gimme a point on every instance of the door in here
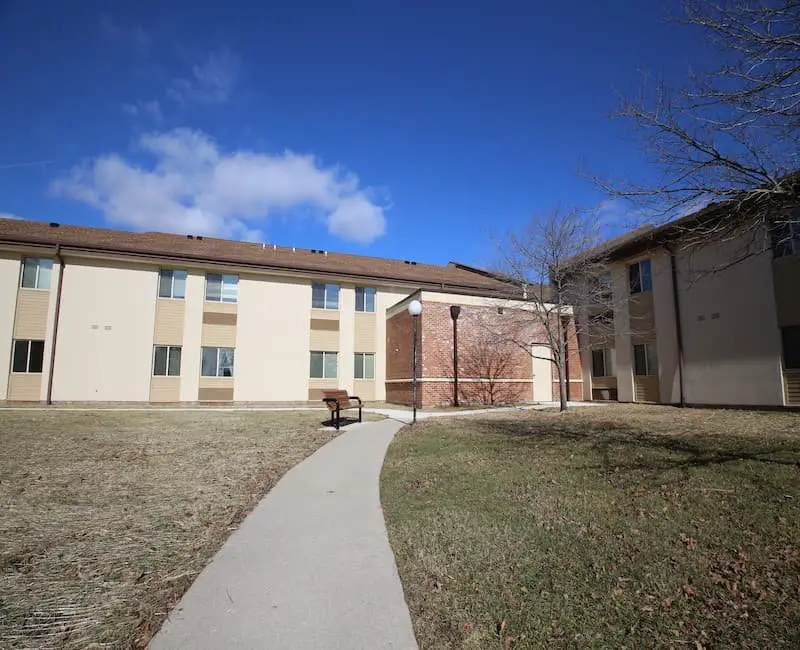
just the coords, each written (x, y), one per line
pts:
(542, 373)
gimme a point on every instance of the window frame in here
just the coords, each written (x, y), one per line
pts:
(795, 356)
(325, 286)
(172, 272)
(609, 363)
(222, 286)
(785, 238)
(637, 285)
(169, 349)
(650, 358)
(37, 281)
(217, 366)
(28, 349)
(364, 294)
(363, 358)
(324, 354)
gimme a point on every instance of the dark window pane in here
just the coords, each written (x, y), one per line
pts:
(369, 366)
(598, 363)
(370, 300)
(179, 284)
(360, 298)
(639, 360)
(358, 372)
(19, 362)
(165, 284)
(226, 362)
(318, 296)
(174, 362)
(330, 365)
(646, 276)
(316, 365)
(332, 296)
(781, 239)
(36, 358)
(45, 271)
(791, 347)
(634, 281)
(214, 287)
(160, 361)
(29, 267)
(209, 362)
(652, 359)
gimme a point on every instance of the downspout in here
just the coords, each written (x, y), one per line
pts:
(678, 326)
(60, 261)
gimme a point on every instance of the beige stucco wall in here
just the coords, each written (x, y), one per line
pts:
(192, 333)
(9, 283)
(732, 345)
(105, 344)
(272, 353)
(622, 338)
(347, 306)
(665, 324)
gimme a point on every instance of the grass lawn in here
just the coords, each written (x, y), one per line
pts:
(623, 526)
(107, 517)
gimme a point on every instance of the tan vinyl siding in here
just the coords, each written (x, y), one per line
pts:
(642, 314)
(220, 307)
(25, 387)
(219, 318)
(366, 333)
(170, 317)
(326, 314)
(604, 382)
(786, 275)
(324, 340)
(365, 389)
(165, 389)
(791, 380)
(218, 336)
(646, 389)
(316, 386)
(215, 389)
(324, 324)
(31, 315)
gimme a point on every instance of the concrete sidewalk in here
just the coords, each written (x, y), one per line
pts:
(311, 566)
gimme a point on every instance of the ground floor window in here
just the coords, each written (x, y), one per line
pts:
(167, 361)
(791, 347)
(365, 365)
(324, 365)
(645, 361)
(28, 356)
(217, 362)
(603, 363)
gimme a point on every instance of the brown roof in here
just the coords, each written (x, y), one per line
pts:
(236, 253)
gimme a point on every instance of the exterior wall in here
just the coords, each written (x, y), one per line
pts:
(623, 346)
(192, 336)
(105, 338)
(732, 346)
(384, 300)
(668, 391)
(9, 285)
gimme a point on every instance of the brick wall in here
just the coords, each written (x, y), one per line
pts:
(575, 383)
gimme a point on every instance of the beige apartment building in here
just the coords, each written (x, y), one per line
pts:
(711, 324)
(94, 315)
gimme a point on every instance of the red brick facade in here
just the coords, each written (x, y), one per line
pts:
(491, 370)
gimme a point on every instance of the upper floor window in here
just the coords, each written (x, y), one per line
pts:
(365, 299)
(324, 296)
(36, 273)
(222, 288)
(172, 284)
(786, 238)
(640, 277)
(603, 363)
(28, 356)
(645, 361)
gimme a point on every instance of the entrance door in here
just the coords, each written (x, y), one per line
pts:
(542, 373)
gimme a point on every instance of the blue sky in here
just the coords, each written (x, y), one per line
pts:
(416, 130)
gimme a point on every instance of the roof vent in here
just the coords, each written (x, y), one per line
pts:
(189, 236)
(413, 263)
(313, 251)
(406, 261)
(199, 237)
(54, 224)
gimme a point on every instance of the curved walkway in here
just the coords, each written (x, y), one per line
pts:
(311, 566)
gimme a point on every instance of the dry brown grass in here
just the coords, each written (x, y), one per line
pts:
(621, 526)
(109, 516)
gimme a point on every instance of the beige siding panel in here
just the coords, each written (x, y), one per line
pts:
(646, 389)
(165, 389)
(216, 382)
(786, 274)
(325, 324)
(324, 340)
(24, 387)
(218, 336)
(215, 394)
(365, 389)
(219, 318)
(316, 386)
(221, 307)
(170, 318)
(642, 314)
(31, 318)
(327, 314)
(604, 382)
(366, 333)
(9, 283)
(791, 380)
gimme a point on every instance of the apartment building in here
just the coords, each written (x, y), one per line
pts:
(716, 323)
(96, 315)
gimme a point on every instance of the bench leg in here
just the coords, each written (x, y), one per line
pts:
(338, 418)
(359, 414)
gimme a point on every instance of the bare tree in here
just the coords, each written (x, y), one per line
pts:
(729, 135)
(492, 362)
(549, 261)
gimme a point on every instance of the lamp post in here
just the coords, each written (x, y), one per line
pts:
(455, 310)
(415, 309)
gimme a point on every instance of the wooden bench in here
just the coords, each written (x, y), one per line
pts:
(338, 401)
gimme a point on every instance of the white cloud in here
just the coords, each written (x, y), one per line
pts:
(194, 187)
(211, 82)
(151, 109)
(8, 215)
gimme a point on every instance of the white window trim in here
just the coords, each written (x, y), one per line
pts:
(641, 276)
(171, 284)
(36, 286)
(27, 370)
(153, 364)
(217, 375)
(355, 365)
(222, 288)
(323, 353)
(325, 298)
(374, 300)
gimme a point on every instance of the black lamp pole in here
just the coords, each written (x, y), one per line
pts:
(455, 310)
(414, 318)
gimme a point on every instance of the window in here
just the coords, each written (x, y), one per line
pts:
(791, 347)
(36, 273)
(365, 299)
(222, 288)
(324, 365)
(365, 365)
(172, 284)
(217, 362)
(28, 356)
(640, 277)
(325, 296)
(786, 238)
(603, 363)
(644, 359)
(166, 361)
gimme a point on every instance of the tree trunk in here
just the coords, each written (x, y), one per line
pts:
(561, 355)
